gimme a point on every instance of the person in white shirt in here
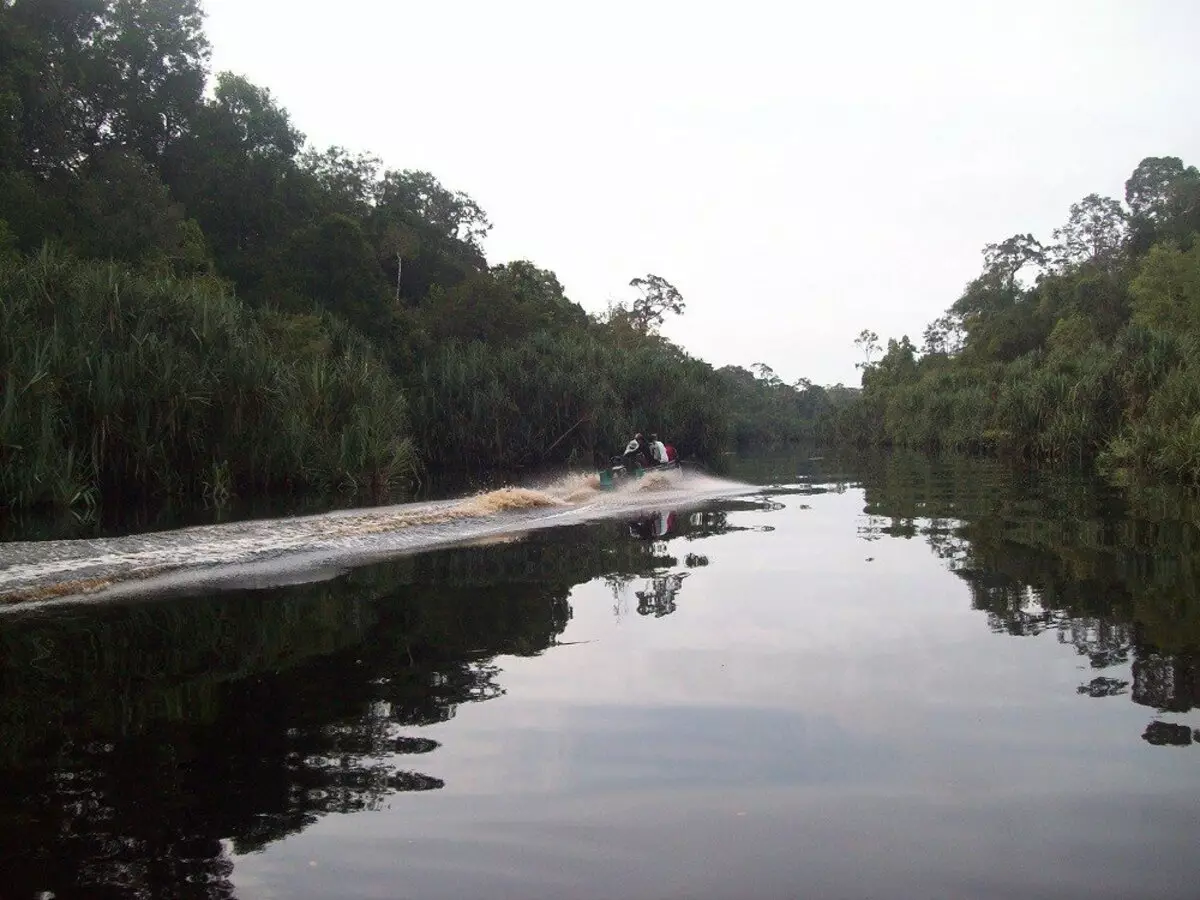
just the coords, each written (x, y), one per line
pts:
(658, 452)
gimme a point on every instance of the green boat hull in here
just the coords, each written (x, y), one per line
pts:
(613, 476)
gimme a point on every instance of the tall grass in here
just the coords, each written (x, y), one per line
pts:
(568, 396)
(119, 386)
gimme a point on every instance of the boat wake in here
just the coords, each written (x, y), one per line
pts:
(306, 548)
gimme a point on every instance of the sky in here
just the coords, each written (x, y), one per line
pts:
(799, 171)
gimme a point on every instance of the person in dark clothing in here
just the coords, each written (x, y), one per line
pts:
(633, 452)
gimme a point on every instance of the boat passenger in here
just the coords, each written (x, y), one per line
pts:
(658, 452)
(633, 450)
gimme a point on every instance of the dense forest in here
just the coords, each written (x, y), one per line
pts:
(195, 302)
(1082, 350)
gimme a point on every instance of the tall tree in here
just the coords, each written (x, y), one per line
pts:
(540, 291)
(867, 343)
(149, 59)
(333, 263)
(45, 69)
(1164, 197)
(122, 210)
(1009, 257)
(438, 232)
(1094, 233)
(236, 173)
(348, 181)
(658, 297)
(452, 214)
(1148, 190)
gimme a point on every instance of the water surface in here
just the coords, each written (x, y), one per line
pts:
(896, 679)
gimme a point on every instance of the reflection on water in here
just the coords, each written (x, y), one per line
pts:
(142, 744)
(1115, 575)
(157, 749)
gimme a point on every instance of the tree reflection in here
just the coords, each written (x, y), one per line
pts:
(1169, 734)
(143, 745)
(1114, 574)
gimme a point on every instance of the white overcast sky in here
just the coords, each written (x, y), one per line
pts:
(800, 171)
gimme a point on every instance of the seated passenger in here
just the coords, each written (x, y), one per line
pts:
(633, 451)
(658, 453)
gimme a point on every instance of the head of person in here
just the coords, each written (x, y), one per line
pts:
(654, 437)
(638, 436)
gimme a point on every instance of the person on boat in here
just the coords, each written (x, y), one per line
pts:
(671, 454)
(658, 452)
(633, 450)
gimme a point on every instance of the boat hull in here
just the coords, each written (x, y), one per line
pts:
(618, 474)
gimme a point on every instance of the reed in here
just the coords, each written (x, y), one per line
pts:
(120, 386)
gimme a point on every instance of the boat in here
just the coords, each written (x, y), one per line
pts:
(618, 473)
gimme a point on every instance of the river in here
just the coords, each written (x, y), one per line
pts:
(815, 678)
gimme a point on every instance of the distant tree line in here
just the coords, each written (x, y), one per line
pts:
(1083, 349)
(198, 302)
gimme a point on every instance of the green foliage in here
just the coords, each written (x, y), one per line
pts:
(560, 395)
(124, 385)
(361, 292)
(1166, 290)
(1071, 336)
(1092, 360)
(121, 210)
(332, 263)
(1164, 198)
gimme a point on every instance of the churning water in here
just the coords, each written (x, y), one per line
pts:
(297, 549)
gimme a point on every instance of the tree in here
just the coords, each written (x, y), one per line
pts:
(451, 214)
(658, 297)
(867, 343)
(766, 374)
(898, 364)
(333, 263)
(236, 174)
(1071, 336)
(437, 232)
(484, 308)
(150, 61)
(246, 119)
(1164, 199)
(43, 58)
(348, 182)
(1148, 190)
(1094, 233)
(394, 244)
(540, 291)
(122, 210)
(83, 76)
(1005, 260)
(1166, 290)
(944, 335)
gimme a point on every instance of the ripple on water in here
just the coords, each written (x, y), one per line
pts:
(40, 571)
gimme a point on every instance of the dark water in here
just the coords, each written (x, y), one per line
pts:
(897, 679)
